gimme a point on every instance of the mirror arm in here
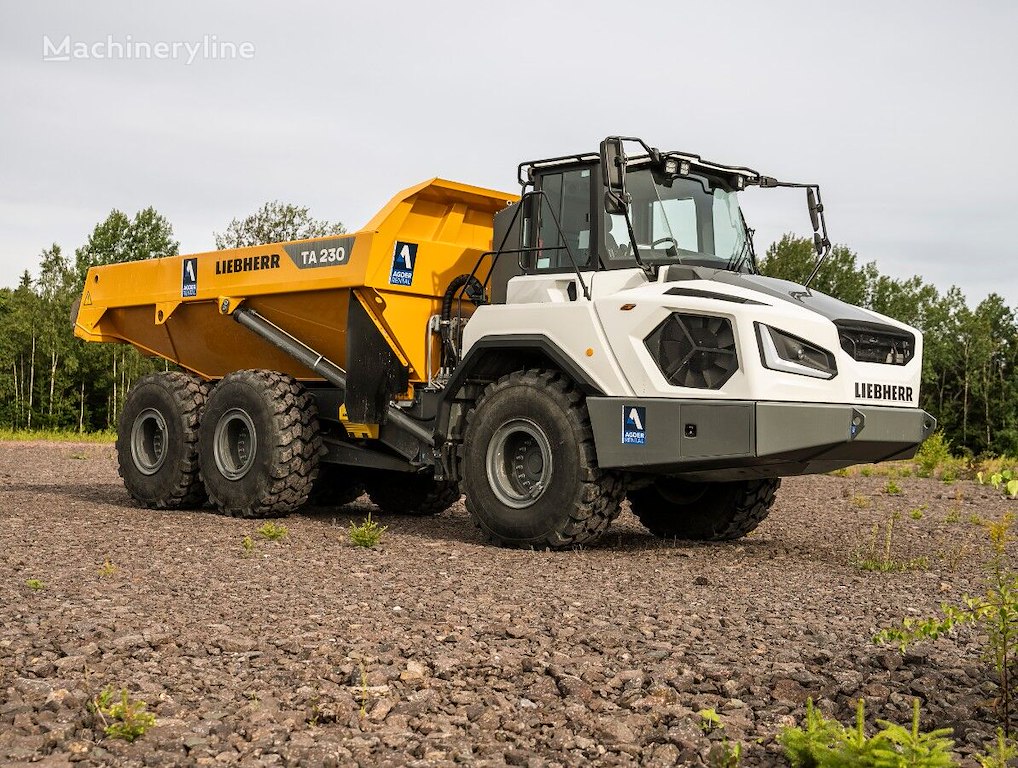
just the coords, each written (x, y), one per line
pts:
(769, 182)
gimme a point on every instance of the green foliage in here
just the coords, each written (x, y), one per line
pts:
(367, 534)
(824, 743)
(275, 222)
(34, 584)
(917, 513)
(727, 754)
(107, 569)
(1005, 481)
(995, 613)
(57, 436)
(122, 717)
(892, 488)
(934, 452)
(248, 544)
(998, 753)
(724, 754)
(271, 531)
(910, 747)
(814, 745)
(50, 380)
(710, 720)
(878, 557)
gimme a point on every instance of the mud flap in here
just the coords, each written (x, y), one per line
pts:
(374, 374)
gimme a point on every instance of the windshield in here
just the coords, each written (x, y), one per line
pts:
(686, 219)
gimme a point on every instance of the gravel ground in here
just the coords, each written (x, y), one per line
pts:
(435, 648)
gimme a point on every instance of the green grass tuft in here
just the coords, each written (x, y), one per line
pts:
(56, 436)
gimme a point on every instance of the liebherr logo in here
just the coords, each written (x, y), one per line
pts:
(868, 390)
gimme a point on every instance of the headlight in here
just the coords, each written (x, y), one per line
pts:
(782, 351)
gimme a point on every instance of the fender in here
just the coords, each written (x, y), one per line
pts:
(515, 350)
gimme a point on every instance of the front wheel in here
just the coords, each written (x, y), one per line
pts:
(677, 509)
(529, 467)
(259, 444)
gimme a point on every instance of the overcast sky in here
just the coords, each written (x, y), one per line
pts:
(906, 113)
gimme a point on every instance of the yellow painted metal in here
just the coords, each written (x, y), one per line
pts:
(356, 429)
(142, 302)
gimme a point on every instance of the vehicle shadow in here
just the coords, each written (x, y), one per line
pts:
(455, 525)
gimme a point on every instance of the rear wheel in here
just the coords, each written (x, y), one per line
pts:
(157, 441)
(529, 467)
(259, 444)
(673, 508)
(398, 493)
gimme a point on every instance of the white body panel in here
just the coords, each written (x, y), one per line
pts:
(621, 365)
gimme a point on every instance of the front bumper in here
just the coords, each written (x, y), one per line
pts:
(718, 440)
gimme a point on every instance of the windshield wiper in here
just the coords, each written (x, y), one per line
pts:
(739, 258)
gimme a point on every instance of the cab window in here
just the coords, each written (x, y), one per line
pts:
(568, 194)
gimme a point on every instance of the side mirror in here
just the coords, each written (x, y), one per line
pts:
(818, 243)
(814, 209)
(613, 174)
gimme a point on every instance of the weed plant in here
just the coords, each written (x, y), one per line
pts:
(994, 613)
(823, 743)
(367, 534)
(122, 717)
(272, 531)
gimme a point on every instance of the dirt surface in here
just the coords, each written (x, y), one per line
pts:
(435, 648)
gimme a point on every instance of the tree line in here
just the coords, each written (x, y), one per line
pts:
(51, 380)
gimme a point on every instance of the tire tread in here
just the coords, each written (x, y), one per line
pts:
(190, 395)
(295, 453)
(599, 499)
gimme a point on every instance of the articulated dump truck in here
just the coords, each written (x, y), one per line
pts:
(603, 335)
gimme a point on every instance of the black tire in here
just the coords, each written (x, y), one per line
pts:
(399, 493)
(157, 441)
(276, 414)
(676, 509)
(336, 486)
(529, 467)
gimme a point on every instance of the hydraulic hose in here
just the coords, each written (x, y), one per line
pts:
(475, 292)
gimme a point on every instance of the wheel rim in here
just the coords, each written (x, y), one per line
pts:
(519, 463)
(148, 441)
(234, 444)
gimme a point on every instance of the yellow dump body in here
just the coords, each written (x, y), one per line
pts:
(397, 267)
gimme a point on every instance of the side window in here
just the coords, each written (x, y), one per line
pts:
(568, 195)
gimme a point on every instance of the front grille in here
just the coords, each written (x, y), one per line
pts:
(876, 343)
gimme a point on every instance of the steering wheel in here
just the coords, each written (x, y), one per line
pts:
(672, 240)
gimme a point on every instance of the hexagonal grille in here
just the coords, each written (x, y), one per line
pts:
(694, 350)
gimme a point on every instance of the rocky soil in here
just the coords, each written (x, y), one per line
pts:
(436, 649)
